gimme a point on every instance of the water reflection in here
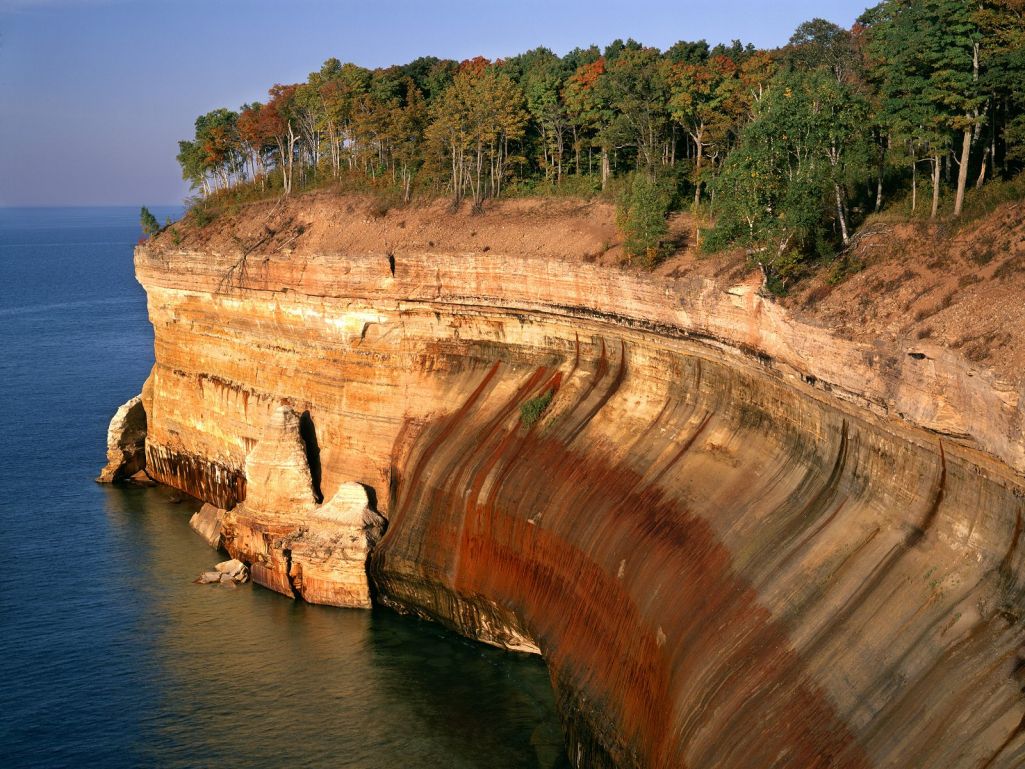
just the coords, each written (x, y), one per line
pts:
(246, 677)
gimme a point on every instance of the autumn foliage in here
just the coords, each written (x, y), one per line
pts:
(787, 149)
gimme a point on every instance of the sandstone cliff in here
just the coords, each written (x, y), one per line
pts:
(737, 540)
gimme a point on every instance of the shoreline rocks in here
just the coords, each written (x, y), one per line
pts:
(231, 571)
(126, 443)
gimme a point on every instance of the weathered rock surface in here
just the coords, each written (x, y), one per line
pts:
(737, 541)
(329, 554)
(207, 523)
(126, 442)
(316, 552)
(277, 470)
(233, 571)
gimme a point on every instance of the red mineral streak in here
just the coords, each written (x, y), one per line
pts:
(737, 540)
(545, 541)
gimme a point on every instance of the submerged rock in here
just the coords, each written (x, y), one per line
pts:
(141, 478)
(126, 443)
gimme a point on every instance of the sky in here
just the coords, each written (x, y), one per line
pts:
(95, 94)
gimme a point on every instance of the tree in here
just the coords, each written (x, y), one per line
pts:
(542, 78)
(278, 120)
(1002, 80)
(819, 44)
(914, 81)
(684, 52)
(641, 216)
(150, 225)
(699, 102)
(589, 113)
(774, 189)
(409, 122)
(190, 158)
(213, 158)
(472, 125)
(925, 60)
(635, 87)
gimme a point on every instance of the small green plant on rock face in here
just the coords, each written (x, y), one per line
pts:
(531, 411)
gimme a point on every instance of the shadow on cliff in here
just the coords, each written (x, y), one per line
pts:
(308, 432)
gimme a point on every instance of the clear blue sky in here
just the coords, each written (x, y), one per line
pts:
(94, 94)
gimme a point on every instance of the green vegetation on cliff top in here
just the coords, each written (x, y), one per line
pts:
(787, 151)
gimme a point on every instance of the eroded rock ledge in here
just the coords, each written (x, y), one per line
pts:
(294, 545)
(737, 541)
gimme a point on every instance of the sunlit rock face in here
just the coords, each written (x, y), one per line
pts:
(126, 442)
(293, 544)
(737, 541)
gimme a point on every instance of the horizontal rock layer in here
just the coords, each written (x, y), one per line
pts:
(737, 541)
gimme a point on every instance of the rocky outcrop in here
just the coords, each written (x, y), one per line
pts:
(737, 540)
(329, 555)
(278, 478)
(207, 523)
(226, 572)
(126, 442)
(295, 546)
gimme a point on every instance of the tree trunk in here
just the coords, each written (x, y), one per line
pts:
(914, 184)
(962, 172)
(604, 167)
(697, 173)
(576, 150)
(841, 215)
(982, 171)
(935, 186)
(880, 170)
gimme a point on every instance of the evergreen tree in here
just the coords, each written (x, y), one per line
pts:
(924, 56)
(150, 225)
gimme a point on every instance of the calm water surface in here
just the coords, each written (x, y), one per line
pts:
(109, 655)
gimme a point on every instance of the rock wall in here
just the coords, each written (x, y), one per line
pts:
(736, 540)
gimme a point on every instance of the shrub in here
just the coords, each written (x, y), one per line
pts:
(993, 194)
(641, 217)
(531, 411)
(202, 214)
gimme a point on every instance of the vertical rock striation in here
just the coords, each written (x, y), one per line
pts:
(736, 541)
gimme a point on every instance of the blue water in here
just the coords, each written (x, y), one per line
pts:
(109, 655)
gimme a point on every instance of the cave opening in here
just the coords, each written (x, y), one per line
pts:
(308, 433)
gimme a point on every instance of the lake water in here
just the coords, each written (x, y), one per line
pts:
(109, 655)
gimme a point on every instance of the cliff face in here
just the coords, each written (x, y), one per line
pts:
(736, 540)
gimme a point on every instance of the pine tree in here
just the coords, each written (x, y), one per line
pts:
(150, 225)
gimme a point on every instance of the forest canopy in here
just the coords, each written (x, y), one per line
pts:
(786, 151)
